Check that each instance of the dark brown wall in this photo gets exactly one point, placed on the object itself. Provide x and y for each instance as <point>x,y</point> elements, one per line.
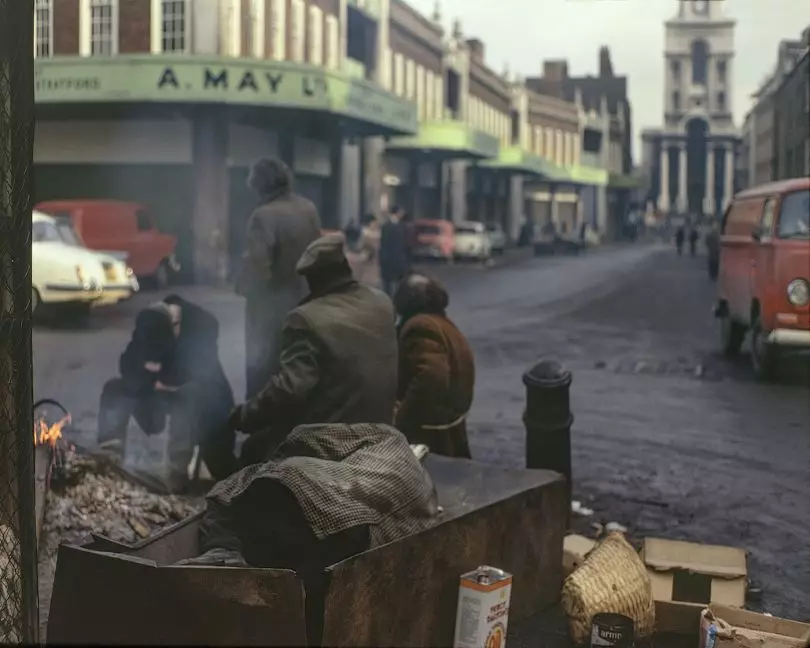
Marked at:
<point>548,121</point>
<point>482,81</point>
<point>402,42</point>
<point>65,27</point>
<point>134,26</point>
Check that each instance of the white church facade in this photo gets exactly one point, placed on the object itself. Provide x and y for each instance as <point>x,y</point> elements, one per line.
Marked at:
<point>689,160</point>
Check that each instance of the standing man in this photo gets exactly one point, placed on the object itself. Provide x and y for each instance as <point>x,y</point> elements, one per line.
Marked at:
<point>278,232</point>
<point>394,262</point>
<point>338,357</point>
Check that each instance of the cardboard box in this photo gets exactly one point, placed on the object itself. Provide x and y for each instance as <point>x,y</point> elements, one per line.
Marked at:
<point>575,548</point>
<point>694,575</point>
<point>726,627</point>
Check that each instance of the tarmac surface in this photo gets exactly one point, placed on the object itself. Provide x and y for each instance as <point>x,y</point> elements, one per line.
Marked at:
<point>669,439</point>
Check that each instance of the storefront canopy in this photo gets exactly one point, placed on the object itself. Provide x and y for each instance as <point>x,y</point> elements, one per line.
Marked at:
<point>577,175</point>
<point>623,181</point>
<point>165,79</point>
<point>515,160</point>
<point>447,139</point>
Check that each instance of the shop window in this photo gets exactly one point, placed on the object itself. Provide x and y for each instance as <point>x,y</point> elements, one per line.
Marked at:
<point>173,25</point>
<point>43,28</point>
<point>103,28</point>
<point>452,97</point>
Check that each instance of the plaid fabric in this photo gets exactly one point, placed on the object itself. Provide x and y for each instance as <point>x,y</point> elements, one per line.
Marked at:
<point>345,476</point>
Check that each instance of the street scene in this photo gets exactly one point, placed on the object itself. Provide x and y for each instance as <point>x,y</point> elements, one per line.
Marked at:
<point>336,305</point>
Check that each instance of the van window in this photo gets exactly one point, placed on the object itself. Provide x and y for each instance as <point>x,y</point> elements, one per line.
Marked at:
<point>794,221</point>
<point>143,221</point>
<point>44,232</point>
<point>743,217</point>
<point>766,225</point>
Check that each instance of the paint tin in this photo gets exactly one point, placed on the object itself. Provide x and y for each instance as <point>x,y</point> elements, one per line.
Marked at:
<point>483,608</point>
<point>612,631</point>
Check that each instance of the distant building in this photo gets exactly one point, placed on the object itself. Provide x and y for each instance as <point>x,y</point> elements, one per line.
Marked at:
<point>690,159</point>
<point>757,153</point>
<point>791,122</point>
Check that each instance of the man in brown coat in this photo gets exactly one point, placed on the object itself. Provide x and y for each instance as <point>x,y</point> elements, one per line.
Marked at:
<point>436,370</point>
<point>278,232</point>
<point>338,357</point>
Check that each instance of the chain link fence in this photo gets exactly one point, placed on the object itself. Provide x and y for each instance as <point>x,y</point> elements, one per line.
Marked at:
<point>18,546</point>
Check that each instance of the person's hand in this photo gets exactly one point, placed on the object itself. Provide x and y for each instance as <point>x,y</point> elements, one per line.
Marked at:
<point>153,367</point>
<point>235,418</point>
<point>159,386</point>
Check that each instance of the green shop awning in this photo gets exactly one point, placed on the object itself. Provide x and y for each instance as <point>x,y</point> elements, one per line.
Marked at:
<point>447,139</point>
<point>578,175</point>
<point>515,160</point>
<point>623,181</point>
<point>218,80</point>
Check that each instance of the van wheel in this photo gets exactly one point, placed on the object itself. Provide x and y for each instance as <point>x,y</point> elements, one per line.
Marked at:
<point>732,335</point>
<point>763,355</point>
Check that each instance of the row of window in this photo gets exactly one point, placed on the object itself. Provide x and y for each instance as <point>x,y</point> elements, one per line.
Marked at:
<point>483,117</point>
<point>416,83</point>
<point>700,67</point>
<point>558,147</point>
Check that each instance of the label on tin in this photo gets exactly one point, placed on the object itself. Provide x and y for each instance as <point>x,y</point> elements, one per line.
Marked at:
<point>607,637</point>
<point>483,609</point>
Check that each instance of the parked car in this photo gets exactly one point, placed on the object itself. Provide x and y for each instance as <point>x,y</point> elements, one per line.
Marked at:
<point>432,239</point>
<point>764,280</point>
<point>497,238</point>
<point>126,226</point>
<point>120,281</point>
<point>472,242</point>
<point>62,273</point>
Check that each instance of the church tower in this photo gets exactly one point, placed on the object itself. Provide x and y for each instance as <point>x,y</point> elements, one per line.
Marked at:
<point>696,146</point>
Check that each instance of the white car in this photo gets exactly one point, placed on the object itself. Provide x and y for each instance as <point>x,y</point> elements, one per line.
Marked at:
<point>472,241</point>
<point>64,271</point>
<point>120,282</point>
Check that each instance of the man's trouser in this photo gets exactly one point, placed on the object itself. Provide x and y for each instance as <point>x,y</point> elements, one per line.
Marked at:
<point>195,417</point>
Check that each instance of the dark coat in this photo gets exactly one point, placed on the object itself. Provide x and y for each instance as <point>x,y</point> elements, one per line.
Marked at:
<point>338,364</point>
<point>278,232</point>
<point>436,384</point>
<point>394,262</point>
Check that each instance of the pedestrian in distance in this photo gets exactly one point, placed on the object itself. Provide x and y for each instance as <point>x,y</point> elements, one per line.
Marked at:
<point>171,370</point>
<point>694,237</point>
<point>278,232</point>
<point>436,369</point>
<point>680,236</point>
<point>338,357</point>
<point>713,251</point>
<point>394,254</point>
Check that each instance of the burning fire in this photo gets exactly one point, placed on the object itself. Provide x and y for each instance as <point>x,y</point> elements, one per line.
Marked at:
<point>44,433</point>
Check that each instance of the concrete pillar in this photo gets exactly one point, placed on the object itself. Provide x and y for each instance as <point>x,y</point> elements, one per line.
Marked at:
<point>334,218</point>
<point>457,176</point>
<point>663,198</point>
<point>554,206</point>
<point>602,210</point>
<point>373,151</point>
<point>708,200</point>
<point>728,184</point>
<point>683,199</point>
<point>440,195</point>
<point>517,205</point>
<point>211,195</point>
<point>478,202</point>
<point>412,203</point>
<point>579,219</point>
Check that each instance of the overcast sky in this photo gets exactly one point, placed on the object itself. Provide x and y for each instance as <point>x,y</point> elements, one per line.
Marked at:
<point>525,32</point>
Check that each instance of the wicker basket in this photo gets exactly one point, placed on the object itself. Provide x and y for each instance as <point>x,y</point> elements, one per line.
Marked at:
<point>612,579</point>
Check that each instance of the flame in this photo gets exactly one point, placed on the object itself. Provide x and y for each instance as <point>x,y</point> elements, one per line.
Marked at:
<point>44,433</point>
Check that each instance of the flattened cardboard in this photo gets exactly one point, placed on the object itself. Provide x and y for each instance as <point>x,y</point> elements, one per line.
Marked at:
<point>575,548</point>
<point>695,574</point>
<point>726,627</point>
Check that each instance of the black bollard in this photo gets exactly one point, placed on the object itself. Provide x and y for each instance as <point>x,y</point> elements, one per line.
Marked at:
<point>548,418</point>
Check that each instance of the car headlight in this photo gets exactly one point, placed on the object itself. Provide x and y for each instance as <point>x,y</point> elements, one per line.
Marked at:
<point>129,271</point>
<point>798,292</point>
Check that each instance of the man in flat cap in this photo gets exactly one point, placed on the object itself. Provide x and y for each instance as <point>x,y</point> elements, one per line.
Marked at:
<point>338,357</point>
<point>277,233</point>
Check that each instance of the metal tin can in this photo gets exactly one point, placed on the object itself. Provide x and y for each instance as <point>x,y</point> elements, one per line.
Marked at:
<point>483,608</point>
<point>612,631</point>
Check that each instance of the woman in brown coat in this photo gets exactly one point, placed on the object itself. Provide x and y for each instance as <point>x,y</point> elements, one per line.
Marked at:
<point>436,369</point>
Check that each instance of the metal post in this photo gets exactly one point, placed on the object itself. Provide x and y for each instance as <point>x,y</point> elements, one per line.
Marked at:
<point>18,550</point>
<point>548,418</point>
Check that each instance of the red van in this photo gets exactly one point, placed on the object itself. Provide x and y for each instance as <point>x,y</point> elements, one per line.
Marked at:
<point>432,239</point>
<point>113,225</point>
<point>764,282</point>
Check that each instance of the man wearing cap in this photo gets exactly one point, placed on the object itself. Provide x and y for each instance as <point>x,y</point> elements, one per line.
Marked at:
<point>277,233</point>
<point>338,356</point>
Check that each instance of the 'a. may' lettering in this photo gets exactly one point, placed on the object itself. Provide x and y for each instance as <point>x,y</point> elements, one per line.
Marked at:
<point>220,80</point>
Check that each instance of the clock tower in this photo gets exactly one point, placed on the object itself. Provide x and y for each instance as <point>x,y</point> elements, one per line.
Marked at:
<point>692,156</point>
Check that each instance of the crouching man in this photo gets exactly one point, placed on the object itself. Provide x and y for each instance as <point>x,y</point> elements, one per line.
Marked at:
<point>171,369</point>
<point>332,490</point>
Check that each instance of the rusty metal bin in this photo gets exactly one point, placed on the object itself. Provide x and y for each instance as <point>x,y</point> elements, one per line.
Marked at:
<point>403,593</point>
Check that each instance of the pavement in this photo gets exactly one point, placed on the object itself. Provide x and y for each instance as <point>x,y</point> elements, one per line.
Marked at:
<point>669,439</point>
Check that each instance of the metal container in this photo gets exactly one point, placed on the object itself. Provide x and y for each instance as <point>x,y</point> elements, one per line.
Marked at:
<point>482,614</point>
<point>612,631</point>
